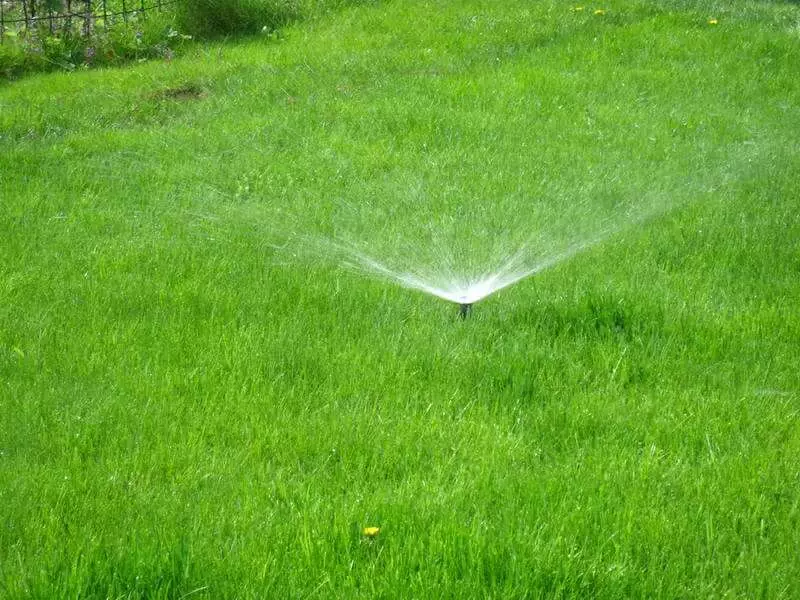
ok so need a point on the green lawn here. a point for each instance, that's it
(194, 404)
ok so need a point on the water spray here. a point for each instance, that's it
(467, 290)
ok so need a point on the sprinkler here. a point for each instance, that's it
(464, 309)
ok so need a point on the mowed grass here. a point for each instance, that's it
(187, 411)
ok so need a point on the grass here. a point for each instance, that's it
(186, 412)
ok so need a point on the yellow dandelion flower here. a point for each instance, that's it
(600, 11)
(712, 21)
(577, 8)
(371, 532)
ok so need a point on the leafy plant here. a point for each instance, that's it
(139, 38)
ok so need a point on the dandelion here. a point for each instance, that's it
(600, 11)
(371, 532)
(576, 8)
(712, 21)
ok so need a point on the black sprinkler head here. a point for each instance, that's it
(464, 309)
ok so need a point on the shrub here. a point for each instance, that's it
(215, 18)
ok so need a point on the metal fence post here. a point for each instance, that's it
(87, 19)
(68, 18)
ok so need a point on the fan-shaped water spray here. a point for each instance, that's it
(445, 281)
(428, 237)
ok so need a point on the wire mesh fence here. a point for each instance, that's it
(70, 17)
